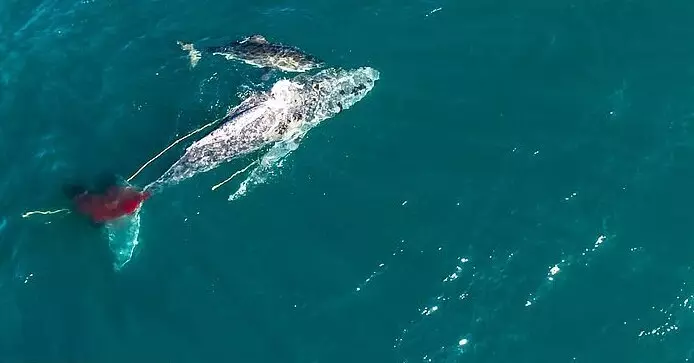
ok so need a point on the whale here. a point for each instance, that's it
(288, 110)
(257, 51)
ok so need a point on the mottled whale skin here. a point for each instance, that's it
(290, 108)
(257, 51)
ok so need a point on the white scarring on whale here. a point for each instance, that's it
(285, 112)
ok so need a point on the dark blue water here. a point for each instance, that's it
(517, 186)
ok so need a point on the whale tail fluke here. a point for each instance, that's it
(194, 55)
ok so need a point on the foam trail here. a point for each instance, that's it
(123, 238)
(3, 224)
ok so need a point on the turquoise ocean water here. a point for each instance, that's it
(516, 188)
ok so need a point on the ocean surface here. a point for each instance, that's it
(517, 187)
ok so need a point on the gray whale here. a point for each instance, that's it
(291, 107)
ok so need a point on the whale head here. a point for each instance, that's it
(333, 90)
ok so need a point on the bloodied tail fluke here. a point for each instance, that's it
(194, 55)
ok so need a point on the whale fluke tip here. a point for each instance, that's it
(194, 55)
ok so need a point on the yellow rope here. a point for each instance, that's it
(27, 214)
(233, 175)
(170, 146)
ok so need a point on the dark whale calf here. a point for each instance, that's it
(257, 51)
